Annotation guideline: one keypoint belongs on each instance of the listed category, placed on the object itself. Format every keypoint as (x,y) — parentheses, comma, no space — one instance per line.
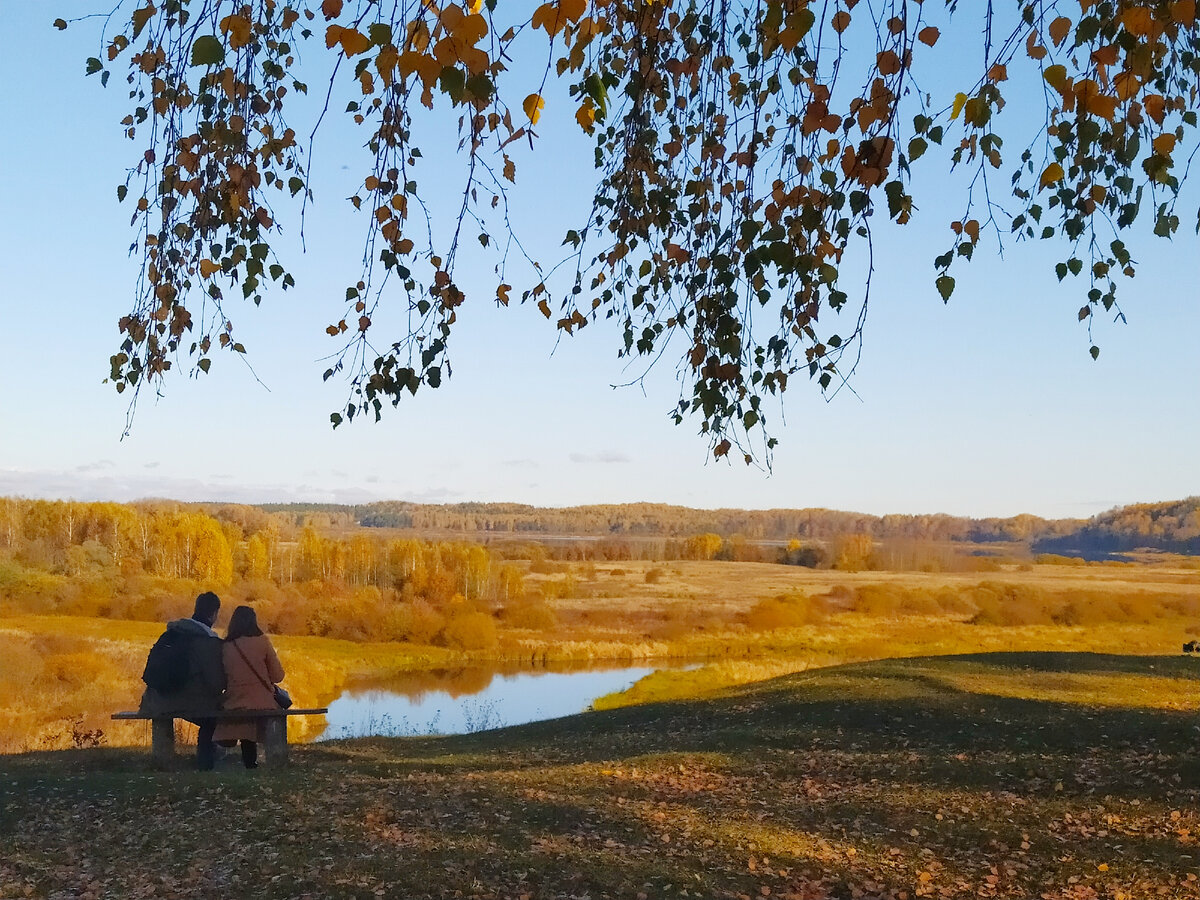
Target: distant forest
(1172,526)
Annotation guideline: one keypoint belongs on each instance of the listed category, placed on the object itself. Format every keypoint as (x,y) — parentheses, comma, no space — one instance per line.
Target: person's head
(243,623)
(207,605)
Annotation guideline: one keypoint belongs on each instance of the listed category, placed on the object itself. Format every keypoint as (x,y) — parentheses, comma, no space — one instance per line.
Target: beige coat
(244,687)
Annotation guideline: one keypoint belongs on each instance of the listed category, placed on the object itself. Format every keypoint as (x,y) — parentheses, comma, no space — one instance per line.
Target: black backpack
(168,665)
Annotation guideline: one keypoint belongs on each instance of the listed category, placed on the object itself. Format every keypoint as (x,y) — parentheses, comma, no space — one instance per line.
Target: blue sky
(987,406)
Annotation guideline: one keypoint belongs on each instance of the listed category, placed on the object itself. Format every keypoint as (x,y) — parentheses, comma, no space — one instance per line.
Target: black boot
(250,754)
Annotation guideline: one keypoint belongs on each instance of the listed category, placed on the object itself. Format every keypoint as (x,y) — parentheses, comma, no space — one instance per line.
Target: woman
(251,672)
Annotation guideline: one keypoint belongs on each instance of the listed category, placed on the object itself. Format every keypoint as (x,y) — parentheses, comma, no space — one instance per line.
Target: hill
(1005,775)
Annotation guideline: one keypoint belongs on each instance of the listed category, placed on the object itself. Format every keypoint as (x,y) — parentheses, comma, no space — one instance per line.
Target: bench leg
(162,742)
(276,742)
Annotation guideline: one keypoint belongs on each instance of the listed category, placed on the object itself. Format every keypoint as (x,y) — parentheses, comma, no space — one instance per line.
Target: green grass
(1018,775)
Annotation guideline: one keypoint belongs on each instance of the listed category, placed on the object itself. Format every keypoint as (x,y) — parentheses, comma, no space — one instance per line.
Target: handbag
(282,698)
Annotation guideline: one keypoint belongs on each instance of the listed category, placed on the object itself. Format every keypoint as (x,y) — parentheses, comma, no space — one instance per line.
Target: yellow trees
(852,552)
(702,546)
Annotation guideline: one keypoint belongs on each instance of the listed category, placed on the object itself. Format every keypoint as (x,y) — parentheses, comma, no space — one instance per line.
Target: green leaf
(596,89)
(1095,351)
(207,51)
(454,83)
(94,65)
(204,364)
(380,34)
(945,286)
(60,24)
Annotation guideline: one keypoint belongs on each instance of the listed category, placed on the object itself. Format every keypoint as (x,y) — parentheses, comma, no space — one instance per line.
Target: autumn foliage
(745,160)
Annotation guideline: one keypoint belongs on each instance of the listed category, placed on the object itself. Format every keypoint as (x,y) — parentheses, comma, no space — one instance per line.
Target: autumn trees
(746,157)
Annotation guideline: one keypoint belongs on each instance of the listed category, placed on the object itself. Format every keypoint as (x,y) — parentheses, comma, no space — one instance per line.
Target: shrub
(471,631)
(655,575)
(785,612)
(534,615)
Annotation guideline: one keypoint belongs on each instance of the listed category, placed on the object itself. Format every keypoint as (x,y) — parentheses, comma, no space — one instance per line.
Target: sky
(987,406)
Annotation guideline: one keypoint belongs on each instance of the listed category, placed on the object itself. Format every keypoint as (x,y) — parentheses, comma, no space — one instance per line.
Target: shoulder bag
(282,697)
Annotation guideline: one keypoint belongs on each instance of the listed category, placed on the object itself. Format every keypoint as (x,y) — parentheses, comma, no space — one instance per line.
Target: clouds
(605,458)
(102,481)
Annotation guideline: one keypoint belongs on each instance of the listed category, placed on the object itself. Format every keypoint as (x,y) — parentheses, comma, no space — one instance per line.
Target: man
(185,675)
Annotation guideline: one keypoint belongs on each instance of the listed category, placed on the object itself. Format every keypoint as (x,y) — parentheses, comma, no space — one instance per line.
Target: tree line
(1171,525)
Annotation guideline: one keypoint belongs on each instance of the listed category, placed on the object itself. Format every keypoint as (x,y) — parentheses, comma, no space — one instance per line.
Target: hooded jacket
(206,673)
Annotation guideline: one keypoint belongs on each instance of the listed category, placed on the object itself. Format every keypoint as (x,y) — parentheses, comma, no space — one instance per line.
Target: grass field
(61,676)
(1012,775)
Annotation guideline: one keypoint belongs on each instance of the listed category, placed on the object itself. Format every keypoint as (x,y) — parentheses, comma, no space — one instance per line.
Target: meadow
(62,675)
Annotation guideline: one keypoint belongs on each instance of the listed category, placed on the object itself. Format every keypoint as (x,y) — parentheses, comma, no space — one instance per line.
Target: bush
(471,631)
(534,615)
(785,612)
(1011,604)
(655,575)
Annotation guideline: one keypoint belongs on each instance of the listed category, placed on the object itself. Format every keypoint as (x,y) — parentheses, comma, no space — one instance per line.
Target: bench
(162,730)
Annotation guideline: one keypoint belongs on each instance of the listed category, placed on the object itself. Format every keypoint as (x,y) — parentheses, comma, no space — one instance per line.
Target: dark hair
(243,623)
(207,605)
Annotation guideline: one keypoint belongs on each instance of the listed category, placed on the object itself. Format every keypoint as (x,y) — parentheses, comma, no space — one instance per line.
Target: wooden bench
(162,730)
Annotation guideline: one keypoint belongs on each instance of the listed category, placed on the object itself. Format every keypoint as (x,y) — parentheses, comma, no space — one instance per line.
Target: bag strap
(265,683)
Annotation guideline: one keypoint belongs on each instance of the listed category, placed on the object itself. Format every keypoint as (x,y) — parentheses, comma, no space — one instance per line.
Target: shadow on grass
(878,778)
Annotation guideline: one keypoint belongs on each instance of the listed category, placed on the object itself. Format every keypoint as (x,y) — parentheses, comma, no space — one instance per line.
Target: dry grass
(61,677)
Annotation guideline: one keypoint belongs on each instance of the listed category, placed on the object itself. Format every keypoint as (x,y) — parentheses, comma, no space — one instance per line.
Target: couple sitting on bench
(192,671)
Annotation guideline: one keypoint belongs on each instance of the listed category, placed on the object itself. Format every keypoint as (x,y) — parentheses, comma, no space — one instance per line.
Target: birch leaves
(741,170)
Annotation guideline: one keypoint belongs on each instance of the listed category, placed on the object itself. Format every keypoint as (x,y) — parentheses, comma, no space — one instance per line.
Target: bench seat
(162,729)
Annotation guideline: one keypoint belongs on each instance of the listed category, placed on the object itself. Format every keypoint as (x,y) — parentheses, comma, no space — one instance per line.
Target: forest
(1171,526)
(484,570)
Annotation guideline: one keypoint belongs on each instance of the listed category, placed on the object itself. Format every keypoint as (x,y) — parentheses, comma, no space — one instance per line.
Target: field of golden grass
(61,677)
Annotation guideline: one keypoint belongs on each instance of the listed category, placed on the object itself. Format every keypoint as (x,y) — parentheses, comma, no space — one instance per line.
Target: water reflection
(462,700)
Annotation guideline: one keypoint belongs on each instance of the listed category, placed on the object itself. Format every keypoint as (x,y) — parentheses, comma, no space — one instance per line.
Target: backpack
(168,666)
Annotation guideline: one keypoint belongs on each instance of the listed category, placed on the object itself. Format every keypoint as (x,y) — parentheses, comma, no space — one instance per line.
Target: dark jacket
(206,673)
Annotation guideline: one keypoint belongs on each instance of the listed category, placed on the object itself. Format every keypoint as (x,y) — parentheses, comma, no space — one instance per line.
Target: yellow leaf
(586,116)
(385,64)
(502,294)
(1033,49)
(960,100)
(354,42)
(1164,144)
(533,106)
(331,8)
(573,9)
(544,307)
(928,35)
(1127,85)
(1056,77)
(840,21)
(238,29)
(140,18)
(549,17)
(1053,174)
(475,6)
(1059,29)
(1138,20)
(1184,12)
(208,268)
